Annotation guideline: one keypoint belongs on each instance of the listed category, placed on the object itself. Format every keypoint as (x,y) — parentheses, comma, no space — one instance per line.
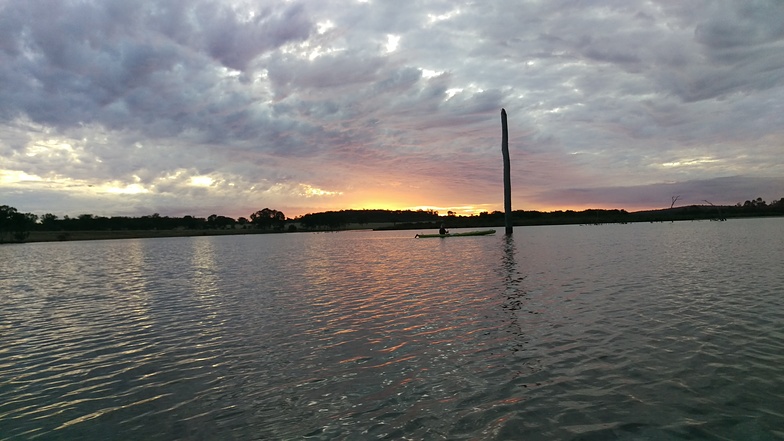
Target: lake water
(641,331)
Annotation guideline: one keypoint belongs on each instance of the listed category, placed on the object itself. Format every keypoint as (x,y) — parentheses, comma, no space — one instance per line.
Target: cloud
(720,191)
(622,97)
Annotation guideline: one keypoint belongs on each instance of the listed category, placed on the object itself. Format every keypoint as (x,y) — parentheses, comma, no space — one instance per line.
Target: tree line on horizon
(17,226)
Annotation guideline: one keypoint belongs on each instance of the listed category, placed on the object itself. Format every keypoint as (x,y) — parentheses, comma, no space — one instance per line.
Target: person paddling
(443,230)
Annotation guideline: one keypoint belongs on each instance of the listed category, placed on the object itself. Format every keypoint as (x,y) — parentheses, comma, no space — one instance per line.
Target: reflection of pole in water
(512,277)
(527,364)
(509,257)
(514,295)
(507,174)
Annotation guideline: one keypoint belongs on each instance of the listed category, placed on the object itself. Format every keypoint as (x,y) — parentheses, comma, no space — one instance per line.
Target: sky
(196,107)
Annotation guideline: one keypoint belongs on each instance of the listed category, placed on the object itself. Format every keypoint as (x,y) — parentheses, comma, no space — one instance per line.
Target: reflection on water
(514,295)
(204,267)
(660,331)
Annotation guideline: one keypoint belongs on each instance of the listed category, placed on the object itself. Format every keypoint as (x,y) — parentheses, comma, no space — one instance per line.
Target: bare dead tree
(507,174)
(721,217)
(674,199)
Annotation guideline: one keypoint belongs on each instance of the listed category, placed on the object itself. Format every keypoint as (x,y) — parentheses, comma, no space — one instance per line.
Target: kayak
(467,233)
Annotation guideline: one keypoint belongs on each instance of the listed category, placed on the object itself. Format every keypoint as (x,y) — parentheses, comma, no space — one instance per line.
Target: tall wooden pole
(507,174)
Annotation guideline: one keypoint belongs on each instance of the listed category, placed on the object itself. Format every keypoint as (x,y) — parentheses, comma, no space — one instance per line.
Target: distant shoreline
(16,227)
(70,236)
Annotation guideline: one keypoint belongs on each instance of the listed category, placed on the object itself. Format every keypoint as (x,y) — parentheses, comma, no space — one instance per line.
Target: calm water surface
(639,331)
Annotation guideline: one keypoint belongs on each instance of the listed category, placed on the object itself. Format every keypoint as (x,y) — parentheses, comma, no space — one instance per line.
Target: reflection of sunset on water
(392,305)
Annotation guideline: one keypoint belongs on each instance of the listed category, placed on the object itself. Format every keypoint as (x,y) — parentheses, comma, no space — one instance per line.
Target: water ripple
(629,332)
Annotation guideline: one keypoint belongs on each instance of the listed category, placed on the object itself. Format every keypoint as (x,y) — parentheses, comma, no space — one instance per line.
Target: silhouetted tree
(219,222)
(211,220)
(268,218)
(49,221)
(192,223)
(754,204)
(15,224)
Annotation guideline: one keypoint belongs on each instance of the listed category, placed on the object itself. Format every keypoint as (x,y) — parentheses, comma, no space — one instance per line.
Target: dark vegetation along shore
(16,227)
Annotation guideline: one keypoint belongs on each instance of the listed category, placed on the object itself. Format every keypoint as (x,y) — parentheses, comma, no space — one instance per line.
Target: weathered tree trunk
(507,174)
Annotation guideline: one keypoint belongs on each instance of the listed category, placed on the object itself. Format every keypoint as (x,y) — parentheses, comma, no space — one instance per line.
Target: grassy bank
(63,236)
(59,236)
